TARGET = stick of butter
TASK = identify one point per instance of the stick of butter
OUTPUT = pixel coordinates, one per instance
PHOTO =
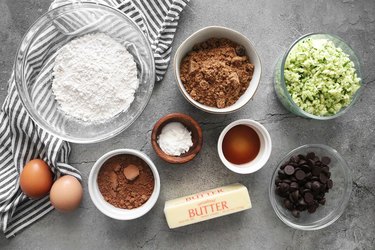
(207, 205)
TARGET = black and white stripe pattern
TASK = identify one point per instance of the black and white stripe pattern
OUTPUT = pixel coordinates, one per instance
(158, 19)
(22, 140)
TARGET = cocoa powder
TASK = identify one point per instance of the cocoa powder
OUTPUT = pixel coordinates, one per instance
(217, 72)
(120, 191)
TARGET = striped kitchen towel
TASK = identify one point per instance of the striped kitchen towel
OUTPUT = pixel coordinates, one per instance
(157, 18)
(21, 139)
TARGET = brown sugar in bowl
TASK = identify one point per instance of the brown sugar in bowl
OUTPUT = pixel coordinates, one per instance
(234, 36)
(191, 125)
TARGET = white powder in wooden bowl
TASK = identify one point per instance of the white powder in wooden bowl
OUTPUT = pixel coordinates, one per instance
(95, 78)
(175, 139)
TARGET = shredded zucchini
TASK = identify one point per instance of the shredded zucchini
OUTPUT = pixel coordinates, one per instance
(320, 77)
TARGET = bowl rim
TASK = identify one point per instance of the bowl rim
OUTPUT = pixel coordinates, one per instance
(332, 216)
(100, 203)
(170, 158)
(246, 168)
(205, 108)
(289, 97)
(25, 41)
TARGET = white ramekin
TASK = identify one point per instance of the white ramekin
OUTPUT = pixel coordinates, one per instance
(219, 32)
(110, 210)
(264, 152)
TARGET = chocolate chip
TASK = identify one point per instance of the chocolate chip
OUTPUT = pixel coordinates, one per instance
(287, 181)
(310, 162)
(293, 186)
(308, 176)
(284, 187)
(277, 181)
(306, 190)
(315, 185)
(302, 202)
(302, 157)
(300, 175)
(294, 164)
(309, 197)
(316, 171)
(315, 178)
(323, 187)
(318, 196)
(287, 204)
(323, 178)
(325, 169)
(294, 158)
(278, 191)
(310, 155)
(290, 197)
(306, 168)
(308, 185)
(302, 161)
(289, 169)
(326, 160)
(311, 209)
(295, 195)
(328, 174)
(281, 174)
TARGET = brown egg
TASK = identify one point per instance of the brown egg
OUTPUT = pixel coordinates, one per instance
(66, 193)
(36, 179)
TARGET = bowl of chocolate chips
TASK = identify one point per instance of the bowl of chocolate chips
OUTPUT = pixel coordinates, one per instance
(310, 188)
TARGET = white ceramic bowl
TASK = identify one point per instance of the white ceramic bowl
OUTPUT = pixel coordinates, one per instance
(110, 210)
(219, 32)
(264, 152)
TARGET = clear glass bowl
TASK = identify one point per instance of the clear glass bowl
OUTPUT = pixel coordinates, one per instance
(279, 80)
(46, 36)
(336, 199)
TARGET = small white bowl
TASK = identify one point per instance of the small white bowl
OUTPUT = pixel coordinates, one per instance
(110, 210)
(219, 32)
(264, 151)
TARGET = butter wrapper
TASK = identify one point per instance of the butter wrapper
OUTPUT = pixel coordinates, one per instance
(207, 205)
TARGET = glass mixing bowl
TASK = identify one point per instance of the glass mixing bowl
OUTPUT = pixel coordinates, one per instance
(336, 199)
(33, 70)
(283, 93)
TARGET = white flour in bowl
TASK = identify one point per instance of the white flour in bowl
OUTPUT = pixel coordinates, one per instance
(95, 78)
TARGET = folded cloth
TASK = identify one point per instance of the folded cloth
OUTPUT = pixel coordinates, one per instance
(158, 19)
(22, 140)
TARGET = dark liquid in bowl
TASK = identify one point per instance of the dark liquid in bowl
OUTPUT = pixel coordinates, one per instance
(241, 144)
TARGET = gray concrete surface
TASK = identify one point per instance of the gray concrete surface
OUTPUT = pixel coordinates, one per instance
(272, 25)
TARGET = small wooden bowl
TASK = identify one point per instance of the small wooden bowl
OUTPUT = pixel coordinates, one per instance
(191, 125)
